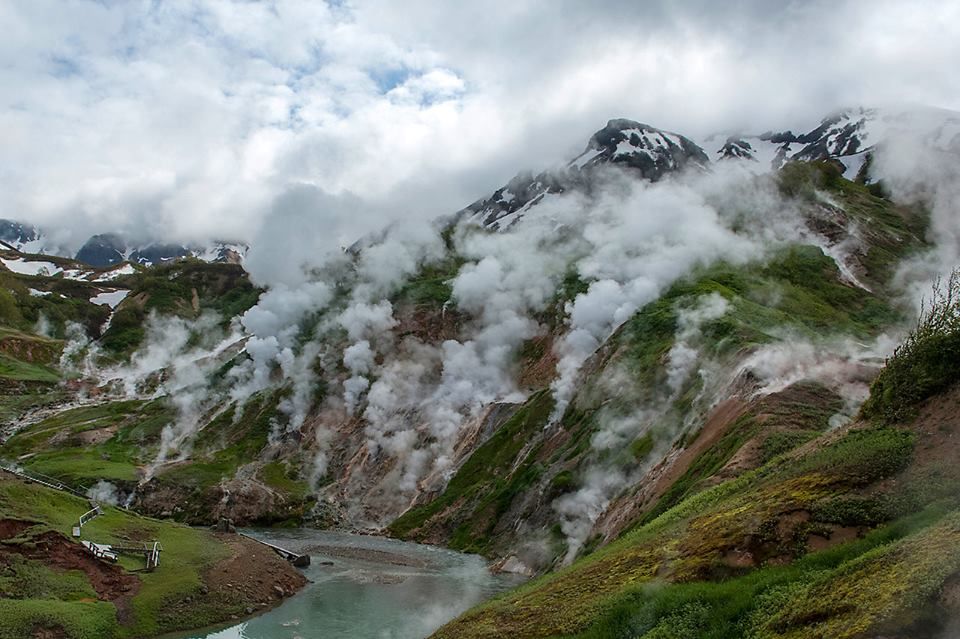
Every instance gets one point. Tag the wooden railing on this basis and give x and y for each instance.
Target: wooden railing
(49, 482)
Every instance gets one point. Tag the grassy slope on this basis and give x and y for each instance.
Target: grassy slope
(487, 482)
(66, 598)
(128, 434)
(797, 290)
(741, 559)
(57, 446)
(68, 300)
(672, 575)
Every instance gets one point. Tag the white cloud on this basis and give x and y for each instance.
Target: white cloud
(193, 119)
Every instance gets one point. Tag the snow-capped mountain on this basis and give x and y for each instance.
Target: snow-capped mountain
(22, 237)
(847, 136)
(108, 249)
(646, 151)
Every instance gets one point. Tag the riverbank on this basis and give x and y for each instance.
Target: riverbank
(368, 587)
(50, 588)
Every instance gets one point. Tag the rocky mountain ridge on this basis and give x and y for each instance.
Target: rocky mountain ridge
(847, 136)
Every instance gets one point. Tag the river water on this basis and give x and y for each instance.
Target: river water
(376, 588)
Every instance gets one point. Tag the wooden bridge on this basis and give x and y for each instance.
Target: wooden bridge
(109, 552)
(300, 561)
(150, 552)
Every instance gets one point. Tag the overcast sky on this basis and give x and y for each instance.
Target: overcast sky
(194, 119)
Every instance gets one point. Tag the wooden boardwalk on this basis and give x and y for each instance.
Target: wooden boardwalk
(106, 552)
(49, 482)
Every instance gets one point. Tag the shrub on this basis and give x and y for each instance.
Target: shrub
(927, 362)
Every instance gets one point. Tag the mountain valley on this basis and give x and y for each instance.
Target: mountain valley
(688, 389)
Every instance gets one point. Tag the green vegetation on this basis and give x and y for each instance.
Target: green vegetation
(115, 441)
(612, 592)
(487, 483)
(81, 619)
(783, 421)
(226, 443)
(28, 358)
(431, 286)
(797, 289)
(11, 368)
(889, 232)
(800, 599)
(642, 446)
(185, 288)
(17, 404)
(82, 445)
(66, 300)
(41, 598)
(126, 331)
(32, 579)
(927, 362)
(284, 478)
(737, 559)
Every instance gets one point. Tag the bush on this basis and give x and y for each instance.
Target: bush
(927, 362)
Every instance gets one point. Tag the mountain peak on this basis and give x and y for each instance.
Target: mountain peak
(651, 151)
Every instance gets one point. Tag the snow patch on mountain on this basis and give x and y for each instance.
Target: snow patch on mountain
(645, 151)
(31, 267)
(110, 298)
(847, 136)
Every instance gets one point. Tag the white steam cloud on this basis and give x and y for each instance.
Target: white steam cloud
(683, 355)
(103, 492)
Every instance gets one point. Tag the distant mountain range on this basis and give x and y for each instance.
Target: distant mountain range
(107, 249)
(847, 136)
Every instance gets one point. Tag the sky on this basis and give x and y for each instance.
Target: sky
(189, 120)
